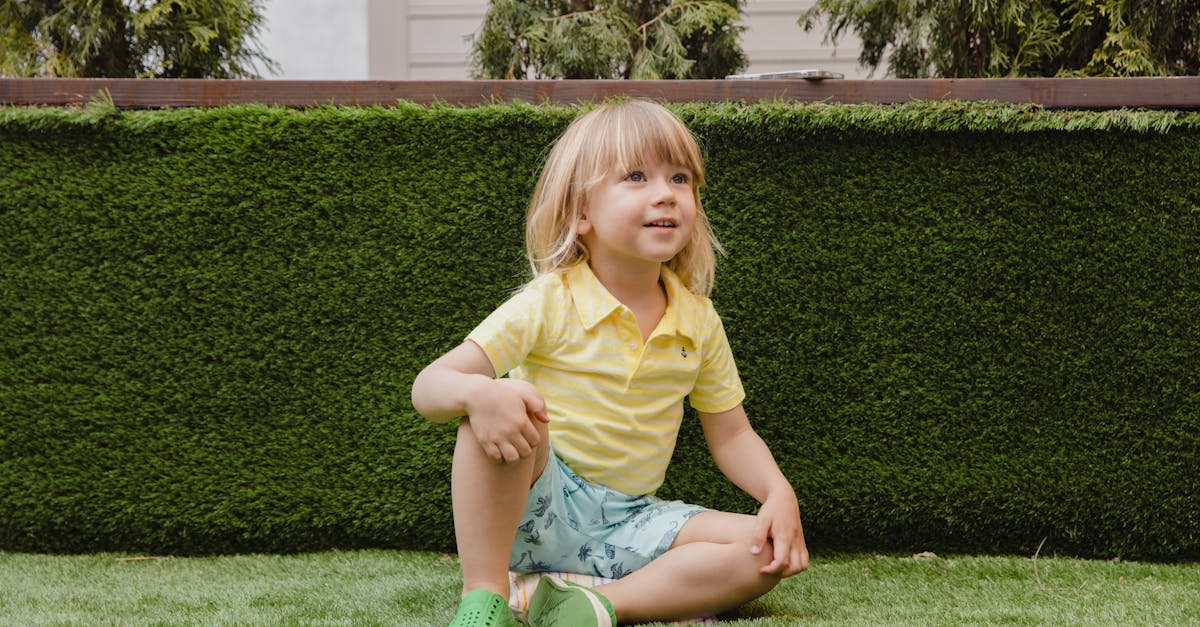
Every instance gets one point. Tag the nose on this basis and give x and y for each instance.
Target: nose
(663, 192)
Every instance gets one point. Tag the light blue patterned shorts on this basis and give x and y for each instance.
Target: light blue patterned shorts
(573, 525)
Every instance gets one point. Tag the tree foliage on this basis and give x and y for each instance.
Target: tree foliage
(994, 38)
(130, 38)
(609, 39)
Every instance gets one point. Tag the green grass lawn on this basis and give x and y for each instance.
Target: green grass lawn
(415, 588)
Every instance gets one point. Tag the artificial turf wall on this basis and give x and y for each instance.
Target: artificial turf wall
(962, 327)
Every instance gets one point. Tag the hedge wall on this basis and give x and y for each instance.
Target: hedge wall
(962, 327)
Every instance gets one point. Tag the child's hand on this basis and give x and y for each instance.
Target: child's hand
(779, 522)
(501, 416)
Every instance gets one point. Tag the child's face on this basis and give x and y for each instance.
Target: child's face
(645, 215)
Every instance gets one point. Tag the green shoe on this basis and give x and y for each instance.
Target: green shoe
(483, 608)
(567, 604)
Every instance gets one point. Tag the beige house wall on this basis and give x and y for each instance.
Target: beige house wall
(774, 42)
(426, 39)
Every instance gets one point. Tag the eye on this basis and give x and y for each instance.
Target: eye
(681, 178)
(637, 176)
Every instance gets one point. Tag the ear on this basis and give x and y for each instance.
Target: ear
(583, 226)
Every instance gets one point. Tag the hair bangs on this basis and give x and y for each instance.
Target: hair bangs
(629, 136)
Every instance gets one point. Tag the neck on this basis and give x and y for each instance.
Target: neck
(634, 285)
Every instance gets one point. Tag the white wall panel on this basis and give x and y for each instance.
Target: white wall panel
(426, 39)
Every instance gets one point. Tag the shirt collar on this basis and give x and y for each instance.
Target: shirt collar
(594, 303)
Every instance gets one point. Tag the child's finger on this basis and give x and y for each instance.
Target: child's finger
(762, 528)
(535, 405)
(799, 562)
(783, 551)
(779, 561)
(522, 447)
(509, 453)
(531, 436)
(774, 568)
(540, 417)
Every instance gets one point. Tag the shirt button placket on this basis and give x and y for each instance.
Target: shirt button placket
(631, 327)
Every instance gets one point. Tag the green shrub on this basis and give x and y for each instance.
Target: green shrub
(961, 326)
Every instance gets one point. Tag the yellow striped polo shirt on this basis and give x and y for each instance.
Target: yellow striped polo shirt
(615, 403)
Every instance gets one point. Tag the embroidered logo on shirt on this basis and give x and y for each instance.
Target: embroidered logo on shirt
(683, 351)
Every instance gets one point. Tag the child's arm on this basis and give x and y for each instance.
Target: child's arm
(500, 411)
(746, 460)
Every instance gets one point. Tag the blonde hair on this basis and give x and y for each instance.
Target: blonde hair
(615, 136)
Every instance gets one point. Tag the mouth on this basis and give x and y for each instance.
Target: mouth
(663, 224)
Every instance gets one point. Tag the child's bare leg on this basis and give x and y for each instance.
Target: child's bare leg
(709, 569)
(489, 499)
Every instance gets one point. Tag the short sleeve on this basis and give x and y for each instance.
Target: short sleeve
(513, 330)
(718, 387)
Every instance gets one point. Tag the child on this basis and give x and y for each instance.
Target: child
(555, 467)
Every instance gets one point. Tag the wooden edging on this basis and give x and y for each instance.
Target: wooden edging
(1068, 93)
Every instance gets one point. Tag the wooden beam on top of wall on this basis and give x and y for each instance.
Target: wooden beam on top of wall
(1069, 93)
